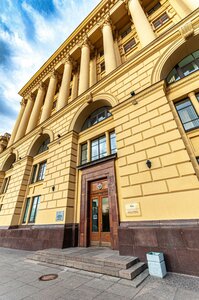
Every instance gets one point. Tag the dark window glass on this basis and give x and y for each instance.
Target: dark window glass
(102, 66)
(97, 116)
(54, 104)
(98, 148)
(197, 159)
(105, 215)
(1, 205)
(34, 208)
(26, 210)
(126, 32)
(161, 20)
(41, 171)
(128, 46)
(188, 65)
(187, 114)
(5, 185)
(197, 96)
(153, 9)
(101, 53)
(113, 142)
(94, 215)
(33, 179)
(84, 154)
(44, 146)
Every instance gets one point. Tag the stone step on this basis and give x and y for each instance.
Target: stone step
(121, 262)
(108, 263)
(133, 271)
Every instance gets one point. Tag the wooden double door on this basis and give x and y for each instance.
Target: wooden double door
(99, 215)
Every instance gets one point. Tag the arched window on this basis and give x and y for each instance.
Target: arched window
(186, 66)
(97, 116)
(44, 146)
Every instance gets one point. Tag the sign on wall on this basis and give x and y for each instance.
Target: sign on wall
(132, 209)
(59, 216)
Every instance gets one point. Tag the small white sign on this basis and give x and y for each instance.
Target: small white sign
(132, 209)
(59, 216)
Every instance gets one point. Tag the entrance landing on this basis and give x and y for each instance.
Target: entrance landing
(98, 260)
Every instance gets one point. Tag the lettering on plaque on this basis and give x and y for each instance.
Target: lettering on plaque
(132, 209)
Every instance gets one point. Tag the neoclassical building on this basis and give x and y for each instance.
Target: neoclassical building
(105, 149)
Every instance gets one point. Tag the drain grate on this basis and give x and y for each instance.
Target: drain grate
(48, 277)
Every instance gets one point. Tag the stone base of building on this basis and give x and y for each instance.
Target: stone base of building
(177, 239)
(39, 237)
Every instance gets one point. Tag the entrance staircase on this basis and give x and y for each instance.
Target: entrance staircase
(98, 260)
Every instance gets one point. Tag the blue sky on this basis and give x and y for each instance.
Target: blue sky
(30, 31)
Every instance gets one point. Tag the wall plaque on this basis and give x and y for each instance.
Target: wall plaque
(59, 216)
(132, 209)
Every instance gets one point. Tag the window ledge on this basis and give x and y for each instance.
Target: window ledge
(97, 161)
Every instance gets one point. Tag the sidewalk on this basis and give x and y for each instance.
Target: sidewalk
(19, 280)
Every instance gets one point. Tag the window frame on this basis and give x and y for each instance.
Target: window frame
(161, 20)
(36, 171)
(31, 206)
(184, 108)
(99, 143)
(128, 48)
(5, 185)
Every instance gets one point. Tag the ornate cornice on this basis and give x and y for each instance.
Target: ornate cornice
(76, 37)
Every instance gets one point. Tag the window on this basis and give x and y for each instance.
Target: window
(160, 21)
(98, 148)
(5, 185)
(197, 158)
(26, 211)
(1, 205)
(38, 172)
(128, 46)
(34, 207)
(188, 65)
(97, 116)
(153, 9)
(102, 66)
(197, 96)
(41, 171)
(54, 104)
(126, 32)
(31, 209)
(187, 114)
(44, 146)
(113, 142)
(84, 154)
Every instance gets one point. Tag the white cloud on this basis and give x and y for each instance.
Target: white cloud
(28, 54)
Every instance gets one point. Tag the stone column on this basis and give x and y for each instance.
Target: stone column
(75, 86)
(25, 118)
(84, 67)
(88, 150)
(48, 104)
(65, 84)
(93, 70)
(181, 8)
(109, 48)
(191, 4)
(36, 108)
(194, 100)
(14, 132)
(108, 145)
(142, 25)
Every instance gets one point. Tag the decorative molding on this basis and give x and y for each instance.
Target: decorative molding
(187, 30)
(64, 50)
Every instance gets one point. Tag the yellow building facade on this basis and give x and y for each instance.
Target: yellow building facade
(105, 149)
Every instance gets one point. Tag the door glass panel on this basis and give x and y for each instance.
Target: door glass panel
(94, 215)
(105, 215)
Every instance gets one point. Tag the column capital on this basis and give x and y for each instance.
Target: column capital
(30, 97)
(86, 43)
(54, 74)
(41, 86)
(107, 22)
(68, 60)
(23, 102)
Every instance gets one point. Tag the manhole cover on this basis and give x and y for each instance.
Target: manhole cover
(48, 277)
